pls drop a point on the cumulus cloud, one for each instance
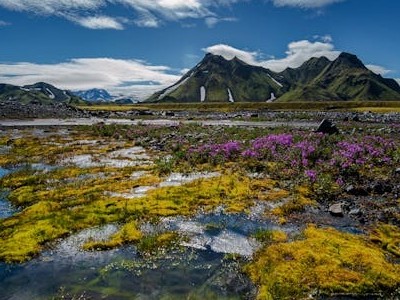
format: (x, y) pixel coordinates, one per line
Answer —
(305, 3)
(378, 69)
(3, 23)
(297, 53)
(127, 76)
(148, 13)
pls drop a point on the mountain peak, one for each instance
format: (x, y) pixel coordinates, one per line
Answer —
(350, 60)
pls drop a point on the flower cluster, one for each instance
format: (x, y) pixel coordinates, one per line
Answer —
(304, 155)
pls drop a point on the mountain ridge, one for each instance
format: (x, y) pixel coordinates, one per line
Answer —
(216, 79)
(40, 92)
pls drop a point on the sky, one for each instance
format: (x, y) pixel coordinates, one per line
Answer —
(135, 47)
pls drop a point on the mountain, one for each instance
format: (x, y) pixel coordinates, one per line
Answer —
(94, 95)
(216, 79)
(40, 92)
(345, 78)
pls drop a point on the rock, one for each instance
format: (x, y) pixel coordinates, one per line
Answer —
(356, 212)
(336, 210)
(381, 188)
(356, 191)
(327, 127)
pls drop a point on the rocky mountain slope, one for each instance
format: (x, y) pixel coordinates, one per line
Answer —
(216, 79)
(40, 92)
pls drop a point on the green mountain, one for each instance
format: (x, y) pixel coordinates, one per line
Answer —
(345, 78)
(216, 79)
(40, 92)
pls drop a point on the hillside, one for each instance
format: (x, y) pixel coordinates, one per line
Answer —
(216, 79)
(40, 92)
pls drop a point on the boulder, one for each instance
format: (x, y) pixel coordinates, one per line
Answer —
(336, 210)
(327, 127)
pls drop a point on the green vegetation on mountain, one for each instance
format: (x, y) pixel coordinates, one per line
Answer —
(216, 76)
(318, 79)
(40, 92)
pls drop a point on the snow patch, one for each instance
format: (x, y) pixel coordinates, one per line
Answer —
(202, 94)
(276, 81)
(51, 95)
(231, 99)
(272, 98)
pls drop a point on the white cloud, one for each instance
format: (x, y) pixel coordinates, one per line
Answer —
(148, 13)
(398, 80)
(212, 21)
(99, 22)
(297, 53)
(86, 73)
(378, 69)
(229, 53)
(305, 3)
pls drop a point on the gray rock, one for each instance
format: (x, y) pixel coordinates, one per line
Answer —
(355, 212)
(336, 210)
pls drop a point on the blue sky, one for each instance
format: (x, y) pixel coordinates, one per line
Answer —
(138, 46)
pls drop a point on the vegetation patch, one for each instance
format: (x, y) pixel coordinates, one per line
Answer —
(322, 262)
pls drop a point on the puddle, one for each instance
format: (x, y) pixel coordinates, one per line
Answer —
(134, 193)
(6, 208)
(223, 233)
(130, 157)
(123, 274)
(177, 179)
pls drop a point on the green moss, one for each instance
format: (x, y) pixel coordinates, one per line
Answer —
(325, 262)
(154, 244)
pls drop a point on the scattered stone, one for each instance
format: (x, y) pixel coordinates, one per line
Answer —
(381, 188)
(327, 127)
(336, 210)
(356, 191)
(356, 212)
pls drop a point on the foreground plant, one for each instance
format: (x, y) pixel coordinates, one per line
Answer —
(323, 262)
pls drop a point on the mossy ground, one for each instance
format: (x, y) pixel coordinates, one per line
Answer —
(57, 202)
(323, 262)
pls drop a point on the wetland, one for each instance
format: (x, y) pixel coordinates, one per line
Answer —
(199, 210)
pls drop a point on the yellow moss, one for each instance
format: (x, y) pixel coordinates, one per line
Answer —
(271, 236)
(127, 234)
(324, 262)
(388, 237)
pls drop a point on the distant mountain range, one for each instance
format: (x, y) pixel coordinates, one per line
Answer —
(216, 79)
(94, 95)
(40, 92)
(101, 95)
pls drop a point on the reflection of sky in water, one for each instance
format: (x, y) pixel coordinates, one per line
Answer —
(6, 209)
(121, 273)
